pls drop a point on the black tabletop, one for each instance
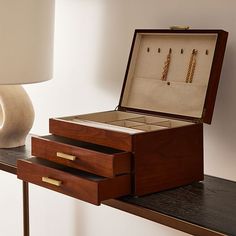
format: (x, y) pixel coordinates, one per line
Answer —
(9, 156)
(210, 204)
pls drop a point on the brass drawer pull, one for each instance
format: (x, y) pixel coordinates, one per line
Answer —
(66, 156)
(52, 181)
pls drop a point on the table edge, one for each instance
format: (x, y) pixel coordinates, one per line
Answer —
(8, 168)
(161, 218)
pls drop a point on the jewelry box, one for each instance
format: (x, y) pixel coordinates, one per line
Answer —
(153, 140)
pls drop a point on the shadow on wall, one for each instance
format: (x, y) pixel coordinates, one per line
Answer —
(115, 41)
(120, 19)
(220, 136)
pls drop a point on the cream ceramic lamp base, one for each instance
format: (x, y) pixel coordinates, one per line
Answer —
(16, 116)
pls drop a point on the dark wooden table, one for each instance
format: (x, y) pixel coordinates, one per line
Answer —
(8, 159)
(207, 208)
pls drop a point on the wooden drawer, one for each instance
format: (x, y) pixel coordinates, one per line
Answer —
(75, 183)
(100, 160)
(109, 138)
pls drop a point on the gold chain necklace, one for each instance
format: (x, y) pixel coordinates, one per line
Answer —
(166, 66)
(191, 67)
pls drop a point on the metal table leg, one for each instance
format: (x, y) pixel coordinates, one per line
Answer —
(26, 208)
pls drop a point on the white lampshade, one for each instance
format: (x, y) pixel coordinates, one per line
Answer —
(26, 41)
(26, 56)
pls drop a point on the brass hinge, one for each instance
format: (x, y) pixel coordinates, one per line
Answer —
(201, 120)
(204, 113)
(118, 108)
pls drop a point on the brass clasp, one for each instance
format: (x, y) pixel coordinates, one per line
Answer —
(179, 27)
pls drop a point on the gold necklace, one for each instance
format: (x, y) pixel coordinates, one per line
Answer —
(166, 66)
(191, 67)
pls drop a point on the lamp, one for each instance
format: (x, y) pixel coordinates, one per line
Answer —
(26, 51)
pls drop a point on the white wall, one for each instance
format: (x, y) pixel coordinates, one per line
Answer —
(92, 42)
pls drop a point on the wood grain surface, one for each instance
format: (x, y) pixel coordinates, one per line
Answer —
(109, 138)
(75, 183)
(92, 158)
(168, 158)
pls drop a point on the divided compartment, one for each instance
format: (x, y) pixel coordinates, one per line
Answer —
(149, 119)
(127, 122)
(105, 117)
(139, 125)
(148, 128)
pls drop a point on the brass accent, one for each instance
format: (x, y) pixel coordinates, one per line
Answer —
(52, 181)
(179, 27)
(66, 156)
(166, 66)
(191, 67)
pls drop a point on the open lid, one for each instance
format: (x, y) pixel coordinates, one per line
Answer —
(174, 73)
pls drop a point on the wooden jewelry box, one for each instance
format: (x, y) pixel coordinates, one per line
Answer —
(153, 141)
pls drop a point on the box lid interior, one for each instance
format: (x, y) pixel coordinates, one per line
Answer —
(188, 88)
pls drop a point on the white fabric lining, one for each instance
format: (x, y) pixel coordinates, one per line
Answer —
(144, 89)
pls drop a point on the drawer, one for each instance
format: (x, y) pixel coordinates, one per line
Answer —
(100, 136)
(75, 183)
(96, 159)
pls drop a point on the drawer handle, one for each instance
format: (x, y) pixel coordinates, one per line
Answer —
(66, 156)
(52, 181)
